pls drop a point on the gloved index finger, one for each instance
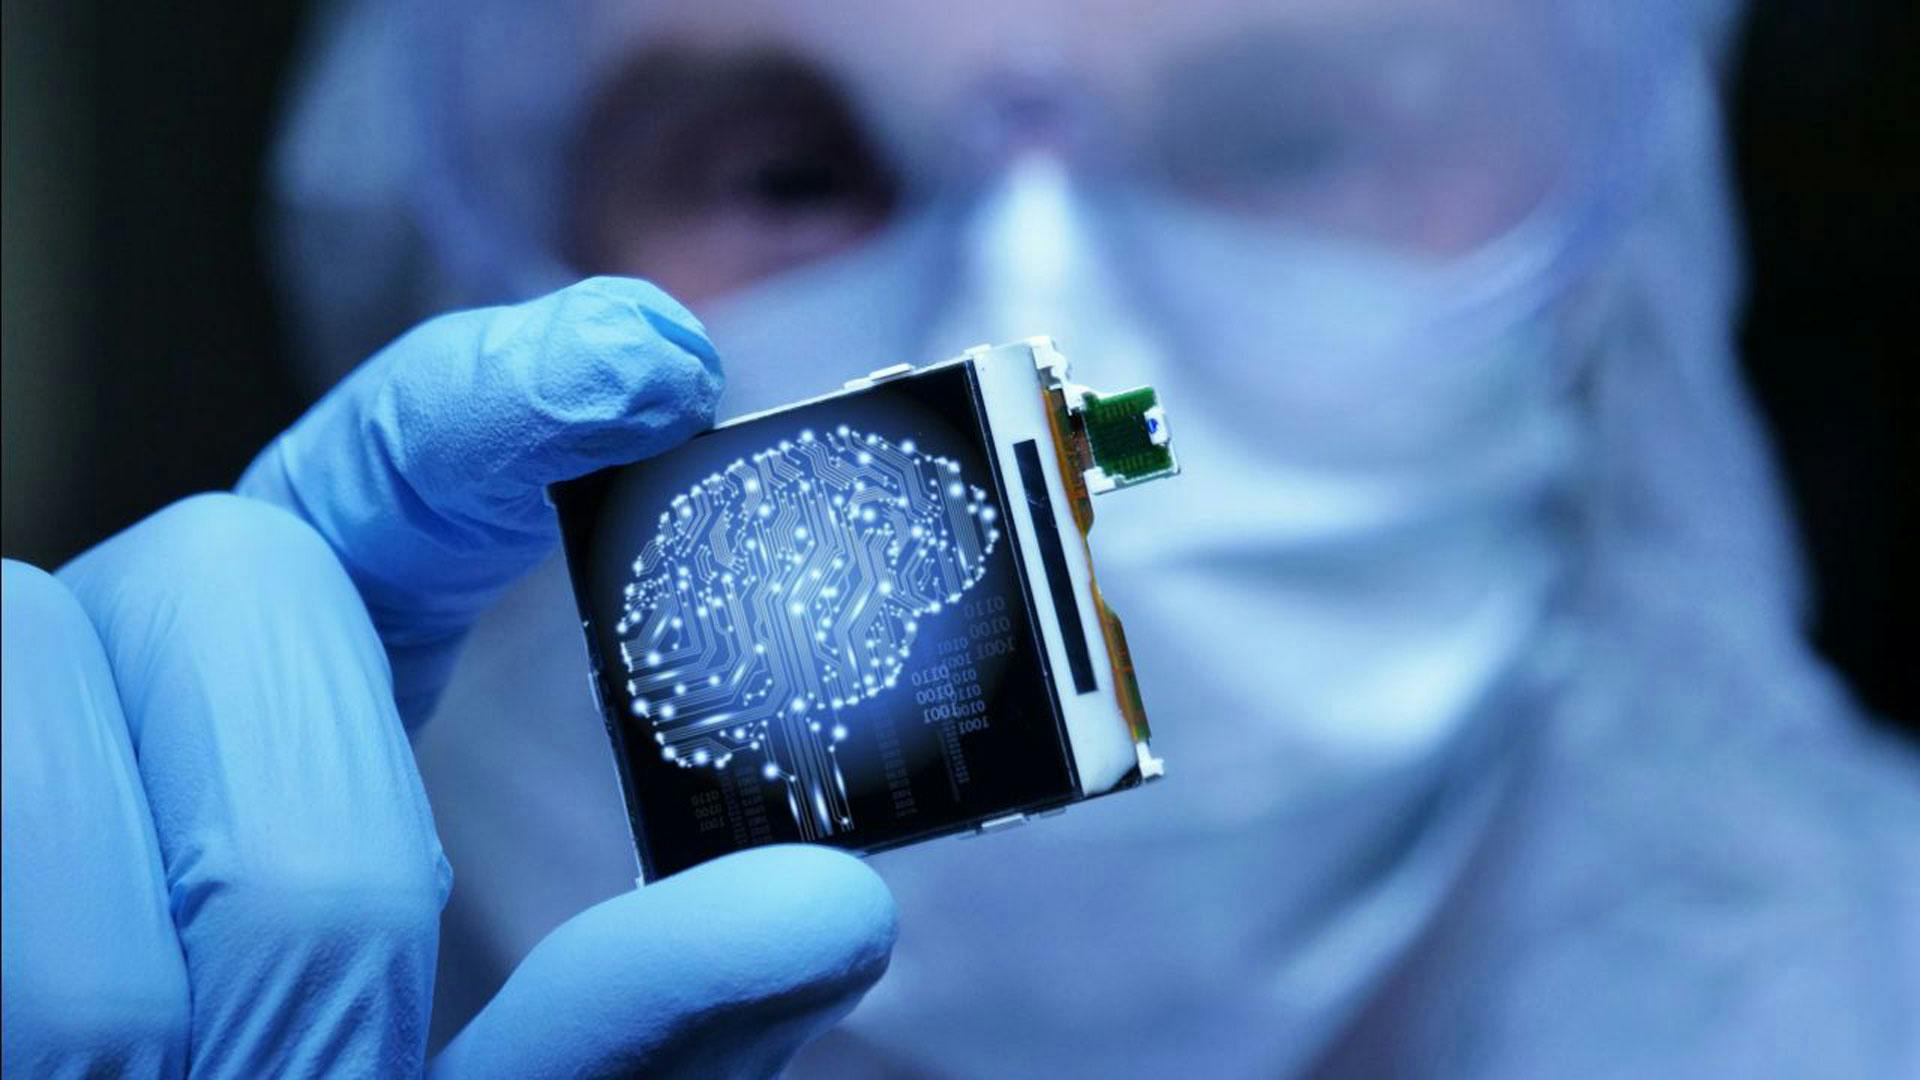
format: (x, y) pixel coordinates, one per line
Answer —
(426, 468)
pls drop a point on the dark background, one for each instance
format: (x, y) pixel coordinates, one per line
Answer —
(141, 330)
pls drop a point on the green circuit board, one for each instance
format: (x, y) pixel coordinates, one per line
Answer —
(1127, 433)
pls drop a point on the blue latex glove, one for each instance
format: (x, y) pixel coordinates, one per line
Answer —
(426, 469)
(218, 855)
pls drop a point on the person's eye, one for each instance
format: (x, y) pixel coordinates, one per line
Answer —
(705, 171)
(819, 172)
(1265, 153)
(1256, 117)
(797, 184)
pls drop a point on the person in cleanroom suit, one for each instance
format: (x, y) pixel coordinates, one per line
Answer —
(1472, 634)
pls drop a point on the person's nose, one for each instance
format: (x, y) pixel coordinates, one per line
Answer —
(1031, 263)
(1026, 104)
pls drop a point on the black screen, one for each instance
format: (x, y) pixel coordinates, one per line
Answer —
(814, 626)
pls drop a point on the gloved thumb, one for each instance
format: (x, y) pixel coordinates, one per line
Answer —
(426, 468)
(724, 970)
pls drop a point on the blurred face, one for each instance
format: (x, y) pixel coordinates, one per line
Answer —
(732, 139)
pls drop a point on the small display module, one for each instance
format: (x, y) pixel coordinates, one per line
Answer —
(820, 624)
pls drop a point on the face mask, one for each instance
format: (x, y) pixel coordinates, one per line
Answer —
(1336, 610)
(1362, 544)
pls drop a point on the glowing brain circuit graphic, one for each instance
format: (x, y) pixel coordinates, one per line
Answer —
(786, 589)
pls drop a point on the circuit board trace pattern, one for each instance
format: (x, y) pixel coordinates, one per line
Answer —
(782, 591)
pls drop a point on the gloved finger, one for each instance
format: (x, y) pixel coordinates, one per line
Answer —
(304, 878)
(724, 970)
(426, 469)
(93, 983)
